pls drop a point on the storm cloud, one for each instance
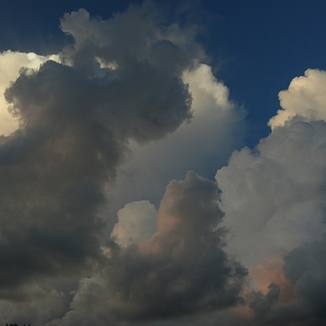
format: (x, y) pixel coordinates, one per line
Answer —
(74, 128)
(181, 270)
(122, 80)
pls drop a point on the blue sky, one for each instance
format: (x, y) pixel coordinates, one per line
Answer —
(162, 163)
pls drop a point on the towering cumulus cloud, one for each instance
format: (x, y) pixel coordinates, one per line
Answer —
(181, 270)
(122, 81)
(274, 203)
(75, 120)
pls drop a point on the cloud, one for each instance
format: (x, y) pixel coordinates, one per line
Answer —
(130, 102)
(146, 95)
(304, 268)
(75, 122)
(305, 97)
(136, 223)
(11, 63)
(274, 202)
(181, 270)
(36, 304)
(204, 144)
(274, 195)
(119, 85)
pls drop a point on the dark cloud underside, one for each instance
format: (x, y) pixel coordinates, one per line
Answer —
(75, 122)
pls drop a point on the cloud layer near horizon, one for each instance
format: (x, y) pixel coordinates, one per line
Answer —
(93, 230)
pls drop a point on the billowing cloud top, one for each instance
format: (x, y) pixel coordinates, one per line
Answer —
(305, 97)
(274, 203)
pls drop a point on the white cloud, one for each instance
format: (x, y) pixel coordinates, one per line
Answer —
(273, 197)
(305, 97)
(137, 222)
(10, 65)
(274, 202)
(207, 91)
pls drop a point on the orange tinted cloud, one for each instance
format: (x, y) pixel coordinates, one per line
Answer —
(271, 270)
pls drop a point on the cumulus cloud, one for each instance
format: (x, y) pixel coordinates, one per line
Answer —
(274, 195)
(11, 63)
(122, 83)
(202, 145)
(305, 97)
(88, 119)
(37, 304)
(304, 269)
(274, 202)
(136, 223)
(74, 128)
(181, 270)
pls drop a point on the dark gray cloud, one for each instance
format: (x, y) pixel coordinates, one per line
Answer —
(181, 270)
(121, 80)
(75, 123)
(146, 95)
(261, 305)
(305, 269)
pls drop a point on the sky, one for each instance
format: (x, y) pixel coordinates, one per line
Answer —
(162, 163)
